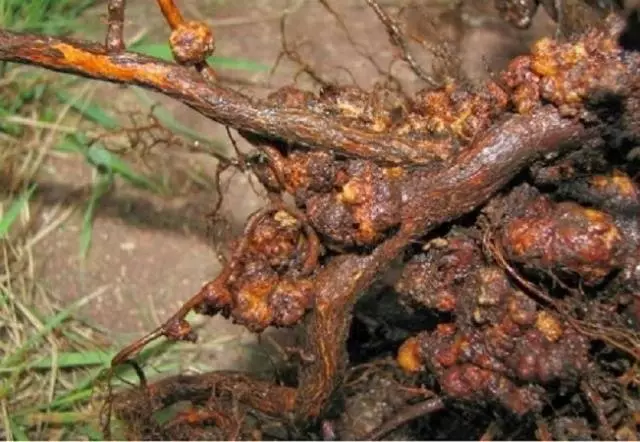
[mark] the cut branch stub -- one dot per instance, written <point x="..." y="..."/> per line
<point x="115" y="26"/>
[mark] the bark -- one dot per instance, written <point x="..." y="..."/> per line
<point x="223" y="105"/>
<point x="431" y="196"/>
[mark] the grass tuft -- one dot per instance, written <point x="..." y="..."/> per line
<point x="51" y="360"/>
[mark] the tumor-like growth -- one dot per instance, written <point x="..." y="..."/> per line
<point x="467" y="251"/>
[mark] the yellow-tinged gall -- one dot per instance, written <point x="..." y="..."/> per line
<point x="192" y="42"/>
<point x="626" y="432"/>
<point x="543" y="60"/>
<point x="350" y="109"/>
<point x="610" y="235"/>
<point x="624" y="183"/>
<point x="380" y="123"/>
<point x="526" y="97"/>
<point x="350" y="194"/>
<point x="253" y="309"/>
<point x="285" y="219"/>
<point x="617" y="184"/>
<point x="394" y="172"/>
<point x="576" y="53"/>
<point x="549" y="326"/>
<point x="457" y="127"/>
<point x="409" y="356"/>
<point x="572" y="97"/>
<point x="479" y="316"/>
<point x="250" y="292"/>
<point x="568" y="238"/>
<point x="437" y="125"/>
<point x="595" y="215"/>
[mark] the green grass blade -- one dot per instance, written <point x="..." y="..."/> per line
<point x="74" y="359"/>
<point x="92" y="432"/>
<point x="56" y="418"/>
<point x="71" y="399"/>
<point x="105" y="160"/>
<point x="158" y="50"/>
<point x="14" y="210"/>
<point x="54" y="322"/>
<point x="165" y="117"/>
<point x="73" y="143"/>
<point x="14" y="130"/>
<point x="100" y="187"/>
<point x="90" y="111"/>
<point x="18" y="431"/>
<point x="238" y="64"/>
<point x="43" y="16"/>
<point x="163" y="51"/>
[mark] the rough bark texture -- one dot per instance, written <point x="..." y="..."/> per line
<point x="390" y="177"/>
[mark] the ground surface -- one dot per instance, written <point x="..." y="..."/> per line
<point x="152" y="253"/>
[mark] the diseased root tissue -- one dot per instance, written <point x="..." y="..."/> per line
<point x="508" y="213"/>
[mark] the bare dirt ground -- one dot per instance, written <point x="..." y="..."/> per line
<point x="152" y="253"/>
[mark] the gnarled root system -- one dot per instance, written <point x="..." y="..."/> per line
<point x="512" y="210"/>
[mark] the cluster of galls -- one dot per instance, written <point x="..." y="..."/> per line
<point x="266" y="283"/>
<point x="501" y="344"/>
<point x="349" y="202"/>
<point x="587" y="242"/>
<point x="565" y="73"/>
<point x="443" y="121"/>
<point x="564" y="238"/>
<point x="353" y="202"/>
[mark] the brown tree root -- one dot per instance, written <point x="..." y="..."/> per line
<point x="260" y="395"/>
<point x="407" y="415"/>
<point x="220" y="104"/>
<point x="552" y="118"/>
<point x="496" y="158"/>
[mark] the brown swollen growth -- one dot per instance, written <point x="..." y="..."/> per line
<point x="510" y="210"/>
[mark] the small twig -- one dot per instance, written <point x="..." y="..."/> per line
<point x="115" y="27"/>
<point x="171" y="13"/>
<point x="405" y="416"/>
<point x="398" y="40"/>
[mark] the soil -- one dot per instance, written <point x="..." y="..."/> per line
<point x="152" y="253"/>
